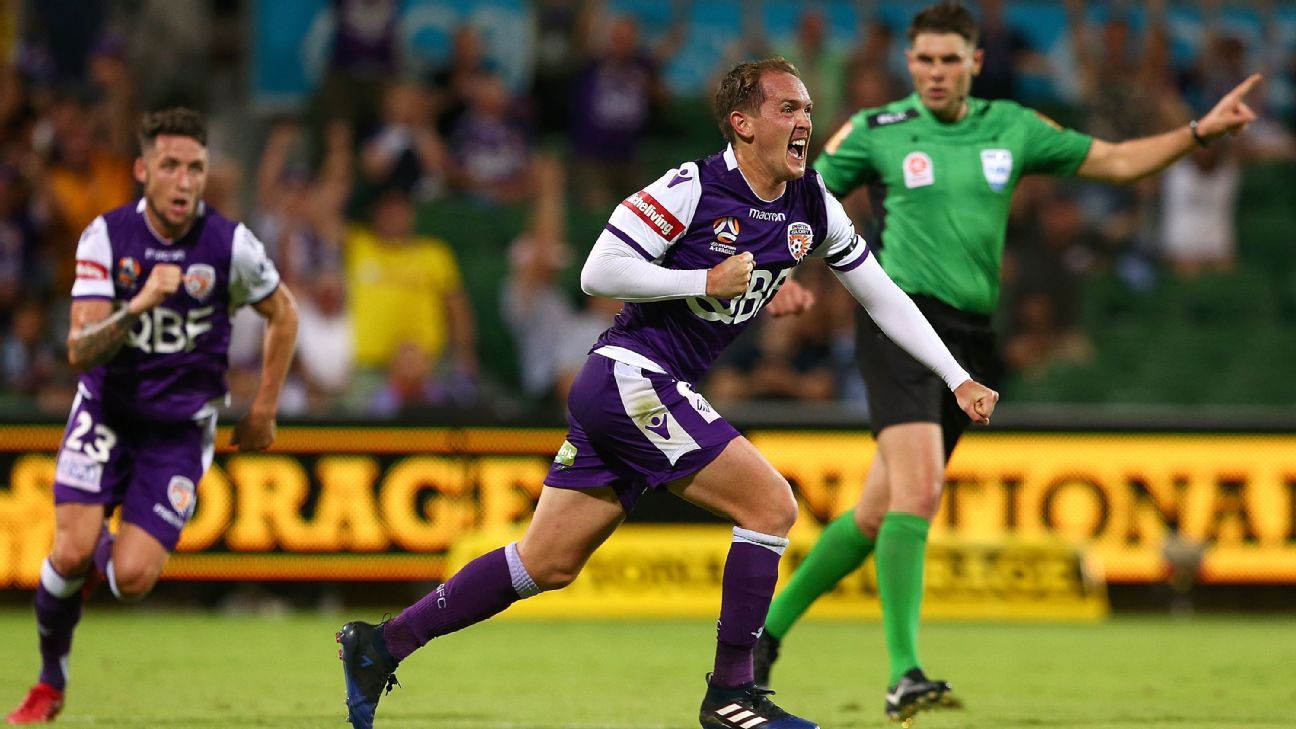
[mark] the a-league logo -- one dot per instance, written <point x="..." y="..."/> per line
<point x="128" y="271"/>
<point x="726" y="229"/>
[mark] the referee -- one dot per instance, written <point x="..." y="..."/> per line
<point x="946" y="165"/>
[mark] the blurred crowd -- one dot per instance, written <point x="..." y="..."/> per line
<point x="345" y="190"/>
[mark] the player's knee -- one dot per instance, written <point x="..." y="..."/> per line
<point x="773" y="515"/>
<point x="70" y="558"/>
<point x="133" y="581"/>
<point x="868" y="520"/>
<point x="922" y="500"/>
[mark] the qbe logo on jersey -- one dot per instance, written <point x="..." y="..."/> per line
<point x="918" y="170"/>
<point x="997" y="166"/>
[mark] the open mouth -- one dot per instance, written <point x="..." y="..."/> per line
<point x="179" y="206"/>
<point x="797" y="149"/>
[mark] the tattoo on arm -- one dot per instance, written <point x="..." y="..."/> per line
<point x="97" y="342"/>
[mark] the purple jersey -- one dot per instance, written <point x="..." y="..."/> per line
<point x="174" y="361"/>
<point x="695" y="217"/>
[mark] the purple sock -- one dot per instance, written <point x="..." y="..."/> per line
<point x="750" y="574"/>
<point x="56" y="617"/>
<point x="484" y="587"/>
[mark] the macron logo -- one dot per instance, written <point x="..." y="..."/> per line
<point x="654" y="214"/>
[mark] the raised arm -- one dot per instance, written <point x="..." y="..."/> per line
<point x="1123" y="162"/>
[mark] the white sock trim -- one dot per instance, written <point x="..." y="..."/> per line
<point x="768" y="541"/>
<point x="522" y="582"/>
<point x="112" y="580"/>
<point x="56" y="584"/>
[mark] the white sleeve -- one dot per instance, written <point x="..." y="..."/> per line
<point x="842" y="248"/>
<point x="253" y="275"/>
<point x="622" y="265"/>
<point x="94" y="263"/>
<point x="898" y="318"/>
<point x="617" y="271"/>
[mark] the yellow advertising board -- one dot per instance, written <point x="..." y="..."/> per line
<point x="333" y="503"/>
<point x="676" y="571"/>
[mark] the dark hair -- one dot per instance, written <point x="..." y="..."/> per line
<point x="741" y="89"/>
<point x="945" y="17"/>
<point x="176" y="121"/>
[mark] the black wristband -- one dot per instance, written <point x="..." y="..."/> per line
<point x="1197" y="137"/>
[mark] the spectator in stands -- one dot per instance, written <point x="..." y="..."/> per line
<point x="1128" y="91"/>
<point x="30" y="358"/>
<point x="21" y="271"/>
<point x="877" y="50"/>
<point x="405" y="288"/>
<point x="116" y="109"/>
<point x="301" y="212"/>
<point x="405" y="149"/>
<point x="364" y="55"/>
<point x="559" y="28"/>
<point x="301" y="222"/>
<point x="1042" y="277"/>
<point x="614" y="97"/>
<point x="84" y="178"/>
<point x="552" y="336"/>
<point x="1199" y="196"/>
<point x="412" y="385"/>
<point x="822" y="66"/>
<point x="453" y="84"/>
<point x="326" y="339"/>
<point x="1007" y="53"/>
<point x="490" y="157"/>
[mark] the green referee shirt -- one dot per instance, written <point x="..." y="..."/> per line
<point x="947" y="187"/>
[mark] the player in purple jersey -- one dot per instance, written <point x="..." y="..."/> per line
<point x="695" y="255"/>
<point x="156" y="284"/>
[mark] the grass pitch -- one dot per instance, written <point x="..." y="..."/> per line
<point x="152" y="668"/>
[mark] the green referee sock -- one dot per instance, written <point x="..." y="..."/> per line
<point x="841" y="549"/>
<point x="901" y="548"/>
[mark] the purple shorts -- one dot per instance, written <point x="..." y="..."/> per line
<point x="634" y="430"/>
<point x="150" y="469"/>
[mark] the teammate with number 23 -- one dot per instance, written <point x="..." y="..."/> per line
<point x="156" y="285"/>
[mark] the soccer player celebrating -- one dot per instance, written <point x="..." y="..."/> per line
<point x="696" y="255"/>
<point x="156" y="283"/>
<point x="947" y="164"/>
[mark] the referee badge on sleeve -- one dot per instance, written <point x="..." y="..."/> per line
<point x="997" y="165"/>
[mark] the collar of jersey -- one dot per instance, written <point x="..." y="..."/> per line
<point x="941" y="127"/>
<point x="143" y="203"/>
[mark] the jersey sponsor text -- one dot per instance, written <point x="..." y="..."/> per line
<point x="654" y="214"/>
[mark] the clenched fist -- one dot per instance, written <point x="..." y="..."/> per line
<point x="163" y="281"/>
<point x="731" y="277"/>
<point x="977" y="400"/>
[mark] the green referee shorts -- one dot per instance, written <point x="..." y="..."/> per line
<point x="902" y="390"/>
